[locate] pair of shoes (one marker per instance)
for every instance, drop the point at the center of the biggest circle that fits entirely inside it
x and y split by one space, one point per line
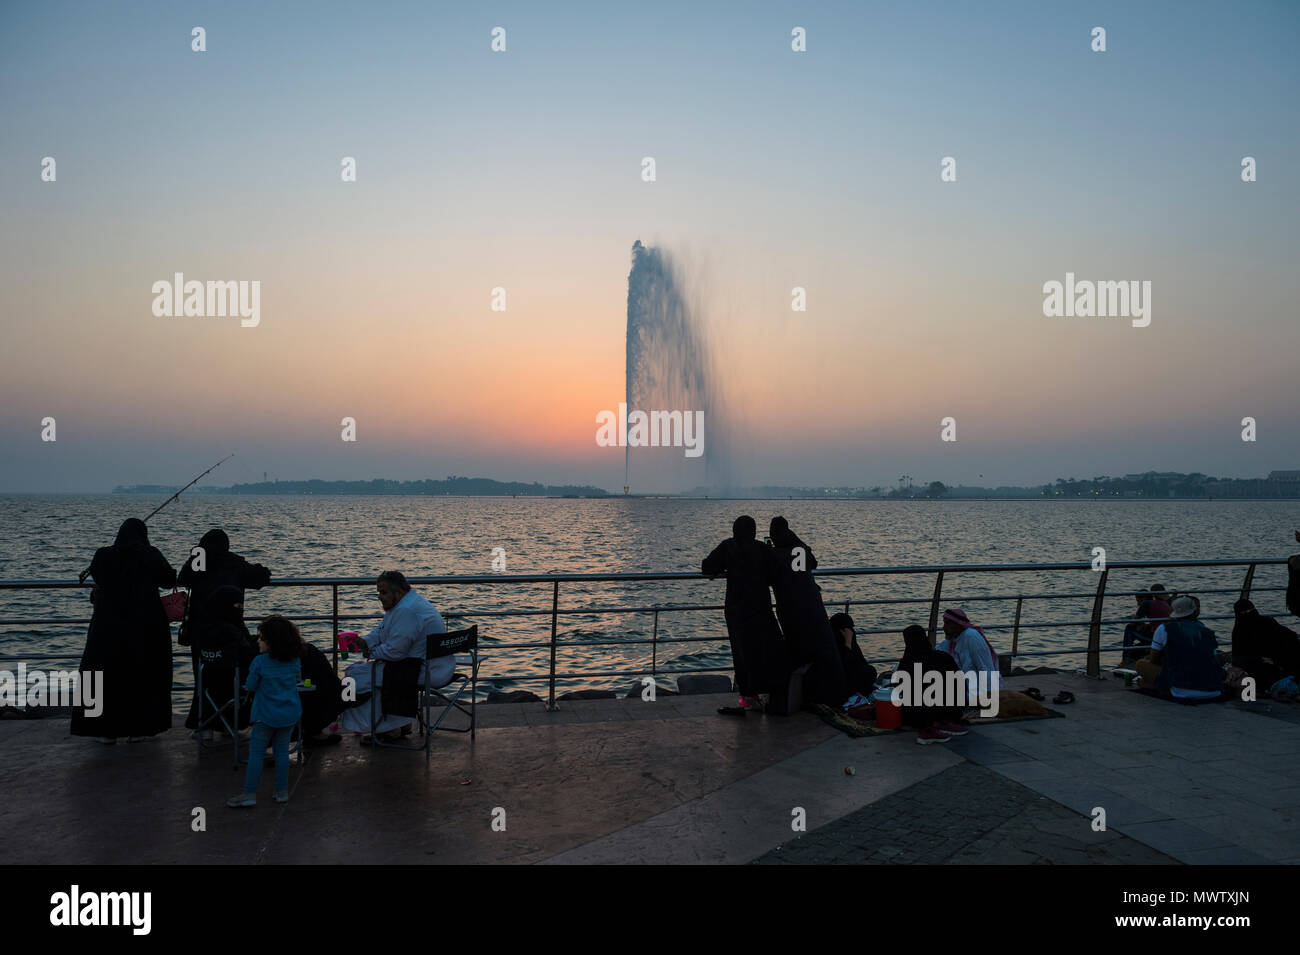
242 801
1065 696
1034 693
281 795
949 728
931 735
109 740
744 705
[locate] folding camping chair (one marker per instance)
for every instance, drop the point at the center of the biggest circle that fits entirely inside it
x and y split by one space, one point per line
463 645
226 714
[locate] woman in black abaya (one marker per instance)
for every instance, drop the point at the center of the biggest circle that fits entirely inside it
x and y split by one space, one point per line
219 569
129 640
803 618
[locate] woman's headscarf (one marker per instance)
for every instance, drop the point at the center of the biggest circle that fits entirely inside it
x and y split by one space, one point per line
782 536
916 645
220 605
132 534
838 622
215 544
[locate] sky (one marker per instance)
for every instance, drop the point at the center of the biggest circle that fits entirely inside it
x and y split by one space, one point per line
522 170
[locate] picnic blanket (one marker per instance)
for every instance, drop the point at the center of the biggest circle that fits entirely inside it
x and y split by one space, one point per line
857 728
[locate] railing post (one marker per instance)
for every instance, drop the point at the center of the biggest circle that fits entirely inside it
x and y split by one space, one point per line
555 608
1015 632
1245 584
335 632
1094 629
934 606
654 647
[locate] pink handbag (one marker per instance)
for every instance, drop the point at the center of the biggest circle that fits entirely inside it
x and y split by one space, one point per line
174 603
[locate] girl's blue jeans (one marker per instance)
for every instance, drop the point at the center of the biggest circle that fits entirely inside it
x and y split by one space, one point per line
277 737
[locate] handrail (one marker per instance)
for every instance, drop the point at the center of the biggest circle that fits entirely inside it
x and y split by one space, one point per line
693 575
1094 623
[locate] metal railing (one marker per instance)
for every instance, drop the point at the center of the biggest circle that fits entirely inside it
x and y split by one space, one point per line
1094 622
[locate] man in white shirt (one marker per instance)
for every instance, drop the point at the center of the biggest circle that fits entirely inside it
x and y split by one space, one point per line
401 635
971 650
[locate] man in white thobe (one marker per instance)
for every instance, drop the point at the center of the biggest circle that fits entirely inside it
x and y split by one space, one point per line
401 635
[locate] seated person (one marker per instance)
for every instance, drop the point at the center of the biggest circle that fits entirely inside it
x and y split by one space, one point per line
1136 633
1263 647
860 674
970 649
408 619
221 643
324 703
1293 581
1182 661
934 724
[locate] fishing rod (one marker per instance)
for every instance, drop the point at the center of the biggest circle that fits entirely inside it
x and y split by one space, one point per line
188 486
81 578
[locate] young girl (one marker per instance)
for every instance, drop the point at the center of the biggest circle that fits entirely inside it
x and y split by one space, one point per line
273 679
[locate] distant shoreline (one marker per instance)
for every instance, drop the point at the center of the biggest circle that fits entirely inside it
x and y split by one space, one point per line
670 497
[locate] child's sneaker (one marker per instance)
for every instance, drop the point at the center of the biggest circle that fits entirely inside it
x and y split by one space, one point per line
281 795
242 800
931 735
951 728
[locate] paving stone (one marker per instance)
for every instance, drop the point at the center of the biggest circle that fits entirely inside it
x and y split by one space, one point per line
1174 838
996 821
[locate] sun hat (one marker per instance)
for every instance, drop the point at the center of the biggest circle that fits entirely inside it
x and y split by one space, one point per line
1184 606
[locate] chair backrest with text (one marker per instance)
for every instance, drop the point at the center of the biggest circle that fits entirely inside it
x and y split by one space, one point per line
453 642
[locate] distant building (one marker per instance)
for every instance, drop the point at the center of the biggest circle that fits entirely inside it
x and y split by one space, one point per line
1286 477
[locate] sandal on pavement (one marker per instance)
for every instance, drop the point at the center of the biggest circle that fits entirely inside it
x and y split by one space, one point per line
1034 693
1065 696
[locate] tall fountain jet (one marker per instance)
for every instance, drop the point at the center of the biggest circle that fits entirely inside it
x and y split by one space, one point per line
670 365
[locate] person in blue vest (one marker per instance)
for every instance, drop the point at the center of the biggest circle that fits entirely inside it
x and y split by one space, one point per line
1182 661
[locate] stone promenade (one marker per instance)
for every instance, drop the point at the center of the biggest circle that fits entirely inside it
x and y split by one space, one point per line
627 781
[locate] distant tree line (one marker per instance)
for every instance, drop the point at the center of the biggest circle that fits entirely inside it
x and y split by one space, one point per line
1164 485
451 486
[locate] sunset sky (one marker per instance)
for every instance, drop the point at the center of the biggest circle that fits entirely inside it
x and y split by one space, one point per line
522 170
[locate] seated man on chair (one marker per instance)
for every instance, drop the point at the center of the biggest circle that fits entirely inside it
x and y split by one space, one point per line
408 619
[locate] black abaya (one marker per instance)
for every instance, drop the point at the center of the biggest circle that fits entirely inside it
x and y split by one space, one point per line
223 569
757 653
804 622
129 640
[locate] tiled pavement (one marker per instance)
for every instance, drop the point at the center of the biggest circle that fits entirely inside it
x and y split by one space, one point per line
965 814
626 781
1210 784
